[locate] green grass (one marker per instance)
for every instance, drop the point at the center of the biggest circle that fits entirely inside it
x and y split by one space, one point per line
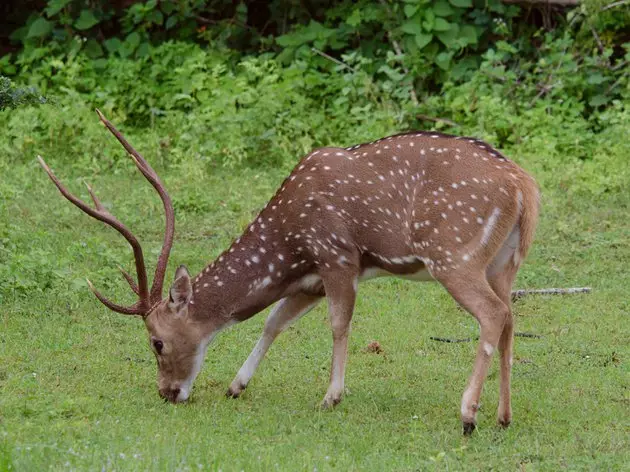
78 386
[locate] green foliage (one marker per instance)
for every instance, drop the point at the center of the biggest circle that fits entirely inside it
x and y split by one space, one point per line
407 47
412 42
561 108
187 102
12 96
101 28
256 112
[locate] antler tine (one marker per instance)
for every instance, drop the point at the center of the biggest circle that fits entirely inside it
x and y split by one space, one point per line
140 161
97 203
146 170
137 308
103 215
130 281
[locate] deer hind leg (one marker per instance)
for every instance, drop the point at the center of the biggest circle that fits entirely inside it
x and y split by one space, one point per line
501 274
473 292
286 311
341 294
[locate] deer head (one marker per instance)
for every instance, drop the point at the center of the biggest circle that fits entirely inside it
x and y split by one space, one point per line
177 338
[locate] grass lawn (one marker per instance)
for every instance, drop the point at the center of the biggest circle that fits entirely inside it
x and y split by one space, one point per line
77 383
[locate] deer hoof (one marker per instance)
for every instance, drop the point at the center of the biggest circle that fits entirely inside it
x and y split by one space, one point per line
504 423
234 391
468 428
330 402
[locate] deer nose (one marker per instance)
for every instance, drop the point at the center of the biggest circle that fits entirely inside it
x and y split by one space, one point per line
170 394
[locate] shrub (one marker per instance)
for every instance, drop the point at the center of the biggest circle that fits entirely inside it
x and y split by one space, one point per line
12 96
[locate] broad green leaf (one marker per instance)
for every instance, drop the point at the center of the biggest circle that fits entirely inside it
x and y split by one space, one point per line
463 67
443 60
168 7
422 40
596 79
55 6
6 66
100 64
170 22
40 27
19 34
75 46
506 47
409 43
112 45
450 38
598 100
305 35
129 45
410 10
411 27
86 20
156 17
442 8
462 3
144 49
469 34
355 17
441 25
93 49
287 40
132 41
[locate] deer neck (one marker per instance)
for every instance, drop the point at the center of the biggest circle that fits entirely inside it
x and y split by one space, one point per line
242 281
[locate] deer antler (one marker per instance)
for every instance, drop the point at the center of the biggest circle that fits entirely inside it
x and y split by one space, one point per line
146 298
169 231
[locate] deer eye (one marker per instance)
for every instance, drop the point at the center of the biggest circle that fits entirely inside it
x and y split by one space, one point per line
158 345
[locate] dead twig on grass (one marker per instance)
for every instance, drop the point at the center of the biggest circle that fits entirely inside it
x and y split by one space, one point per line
476 338
516 294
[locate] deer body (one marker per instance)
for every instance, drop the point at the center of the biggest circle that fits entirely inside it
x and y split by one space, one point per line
422 206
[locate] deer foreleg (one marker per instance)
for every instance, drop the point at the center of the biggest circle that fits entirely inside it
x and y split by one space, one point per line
286 311
341 294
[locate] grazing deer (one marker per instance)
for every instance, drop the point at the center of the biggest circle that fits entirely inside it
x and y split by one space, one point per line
419 205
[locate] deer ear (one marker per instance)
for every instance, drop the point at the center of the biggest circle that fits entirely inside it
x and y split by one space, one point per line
181 290
181 271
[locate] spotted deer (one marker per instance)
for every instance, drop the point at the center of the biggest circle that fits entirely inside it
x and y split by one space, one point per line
418 205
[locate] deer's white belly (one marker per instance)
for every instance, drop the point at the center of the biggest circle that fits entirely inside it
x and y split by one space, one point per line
422 275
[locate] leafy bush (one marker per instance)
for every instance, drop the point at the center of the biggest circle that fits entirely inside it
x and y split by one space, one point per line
255 112
414 43
347 72
561 110
12 96
409 48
